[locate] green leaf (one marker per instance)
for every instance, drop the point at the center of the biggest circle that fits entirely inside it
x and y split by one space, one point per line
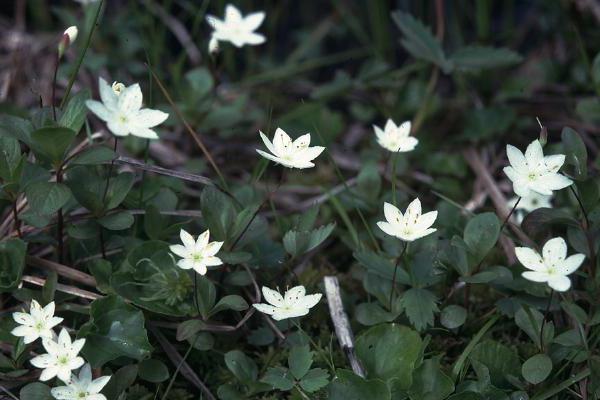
52 143
372 314
420 305
314 380
539 222
154 371
218 213
49 287
279 378
498 358
242 366
475 58
575 152
430 383
188 329
389 351
75 112
118 189
297 243
87 188
230 302
47 197
117 221
299 360
420 42
120 381
481 234
453 316
116 329
12 262
16 127
11 160
381 266
93 156
206 294
537 368
348 386
530 321
35 391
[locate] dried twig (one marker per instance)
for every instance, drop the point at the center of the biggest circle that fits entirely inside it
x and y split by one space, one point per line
164 171
341 323
75 291
62 270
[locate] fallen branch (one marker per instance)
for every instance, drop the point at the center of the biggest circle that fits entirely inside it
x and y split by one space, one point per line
75 291
62 270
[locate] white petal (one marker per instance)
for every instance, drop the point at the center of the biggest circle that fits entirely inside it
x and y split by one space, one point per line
214 22
272 296
530 258
311 300
282 142
76 362
63 393
554 251
293 295
267 142
516 157
254 38
64 374
77 346
147 118
185 264
232 14
144 133
571 264
310 153
559 283
42 361
554 162
130 99
392 214
302 142
179 250
413 211
99 109
48 374
408 144
98 384
64 339
202 240
534 155
551 181
293 313
26 332
379 134
404 128
117 127
212 261
23 318
389 127
108 95
426 220
388 228
536 276
252 21
200 268
265 308
187 239
420 234
271 157
49 310
212 248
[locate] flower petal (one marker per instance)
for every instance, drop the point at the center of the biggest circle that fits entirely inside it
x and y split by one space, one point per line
200 268
554 251
254 20
516 157
282 142
549 182
530 258
186 263
554 162
212 248
311 300
107 95
392 214
187 239
23 318
559 283
535 276
98 384
571 264
534 154
212 261
293 295
272 296
99 110
267 142
426 220
148 118
265 308
130 99
413 212
179 250
202 241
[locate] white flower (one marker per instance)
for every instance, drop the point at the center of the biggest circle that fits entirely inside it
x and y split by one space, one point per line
61 359
197 254
533 172
37 324
396 138
410 226
235 28
82 387
553 266
71 33
123 112
528 204
294 303
296 154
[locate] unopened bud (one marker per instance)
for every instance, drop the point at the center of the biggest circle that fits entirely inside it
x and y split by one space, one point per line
213 45
543 133
69 36
117 87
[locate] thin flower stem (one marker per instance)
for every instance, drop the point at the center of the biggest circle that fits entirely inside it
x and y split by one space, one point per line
586 227
196 292
544 320
59 223
53 99
110 169
185 356
510 214
16 218
585 216
394 162
392 289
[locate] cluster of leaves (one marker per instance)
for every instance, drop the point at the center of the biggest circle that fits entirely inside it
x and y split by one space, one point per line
94 229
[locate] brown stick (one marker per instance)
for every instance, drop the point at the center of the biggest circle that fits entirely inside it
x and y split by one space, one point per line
62 270
75 291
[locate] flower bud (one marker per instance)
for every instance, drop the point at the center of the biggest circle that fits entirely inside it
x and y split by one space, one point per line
69 36
543 133
117 87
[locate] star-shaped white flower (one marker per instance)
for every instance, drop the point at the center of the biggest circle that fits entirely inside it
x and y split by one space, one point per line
294 303
37 324
61 359
197 254
396 138
296 154
121 109
553 266
235 28
82 387
533 172
410 226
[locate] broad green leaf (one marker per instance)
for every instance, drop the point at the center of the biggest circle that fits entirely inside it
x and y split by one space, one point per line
188 329
453 316
430 383
372 314
206 295
230 302
475 58
481 234
116 329
299 360
117 221
297 243
381 266
314 380
11 160
575 152
389 351
279 378
348 386
154 371
12 262
87 188
94 155
118 188
242 366
35 391
537 368
74 115
46 198
420 305
120 381
487 123
498 358
539 222
52 143
530 321
495 273
17 128
419 41
218 213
